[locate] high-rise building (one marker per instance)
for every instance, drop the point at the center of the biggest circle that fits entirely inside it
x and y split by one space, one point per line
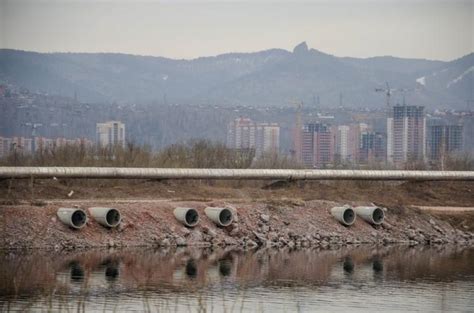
444 140
241 134
356 143
342 138
317 145
347 142
111 133
24 145
267 138
42 144
406 135
245 134
5 146
380 147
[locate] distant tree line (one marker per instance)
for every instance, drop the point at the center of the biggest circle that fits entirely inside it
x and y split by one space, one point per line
192 154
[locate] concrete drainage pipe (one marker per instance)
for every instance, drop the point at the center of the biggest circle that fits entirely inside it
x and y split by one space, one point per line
107 217
220 216
75 218
188 216
371 214
344 214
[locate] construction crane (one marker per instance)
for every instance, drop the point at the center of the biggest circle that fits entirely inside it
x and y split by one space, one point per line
388 94
389 91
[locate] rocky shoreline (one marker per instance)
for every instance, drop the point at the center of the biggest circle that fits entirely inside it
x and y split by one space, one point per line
273 223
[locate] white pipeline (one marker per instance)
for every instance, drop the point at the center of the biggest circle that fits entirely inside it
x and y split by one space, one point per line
202 173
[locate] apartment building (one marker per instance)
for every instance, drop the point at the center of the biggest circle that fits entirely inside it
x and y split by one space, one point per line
406 135
111 133
243 134
444 140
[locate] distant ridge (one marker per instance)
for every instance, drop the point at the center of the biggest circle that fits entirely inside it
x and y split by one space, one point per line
266 78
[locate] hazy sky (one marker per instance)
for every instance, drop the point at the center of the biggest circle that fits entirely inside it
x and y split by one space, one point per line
441 30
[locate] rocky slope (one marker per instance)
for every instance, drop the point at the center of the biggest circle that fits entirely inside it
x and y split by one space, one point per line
283 223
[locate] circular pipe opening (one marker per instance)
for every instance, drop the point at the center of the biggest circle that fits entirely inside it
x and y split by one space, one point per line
349 216
113 217
378 216
78 219
225 217
192 217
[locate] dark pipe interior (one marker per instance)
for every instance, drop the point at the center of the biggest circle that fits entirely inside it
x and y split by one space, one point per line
192 217
77 272
378 215
113 217
78 218
349 216
191 268
348 265
111 272
225 217
225 267
377 265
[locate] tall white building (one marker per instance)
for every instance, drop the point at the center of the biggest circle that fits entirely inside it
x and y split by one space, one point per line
348 141
111 133
406 134
267 138
342 142
243 133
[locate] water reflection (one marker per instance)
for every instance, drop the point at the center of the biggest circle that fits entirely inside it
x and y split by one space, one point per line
77 272
225 266
348 265
377 265
278 276
191 268
112 270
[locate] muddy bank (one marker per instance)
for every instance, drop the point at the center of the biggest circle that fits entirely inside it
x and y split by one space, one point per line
388 193
284 222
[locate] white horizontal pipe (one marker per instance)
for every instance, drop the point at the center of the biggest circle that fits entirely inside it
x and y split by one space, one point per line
205 173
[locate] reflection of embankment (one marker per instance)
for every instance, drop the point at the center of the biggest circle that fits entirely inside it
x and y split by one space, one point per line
441 263
188 270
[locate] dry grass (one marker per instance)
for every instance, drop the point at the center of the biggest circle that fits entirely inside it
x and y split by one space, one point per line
195 154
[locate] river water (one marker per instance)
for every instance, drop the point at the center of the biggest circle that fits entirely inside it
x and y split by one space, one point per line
363 278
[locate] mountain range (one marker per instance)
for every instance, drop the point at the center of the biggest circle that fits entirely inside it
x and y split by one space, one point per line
272 77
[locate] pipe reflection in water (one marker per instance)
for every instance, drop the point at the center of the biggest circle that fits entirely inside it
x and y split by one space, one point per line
112 270
225 266
348 265
167 275
191 269
377 265
77 271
